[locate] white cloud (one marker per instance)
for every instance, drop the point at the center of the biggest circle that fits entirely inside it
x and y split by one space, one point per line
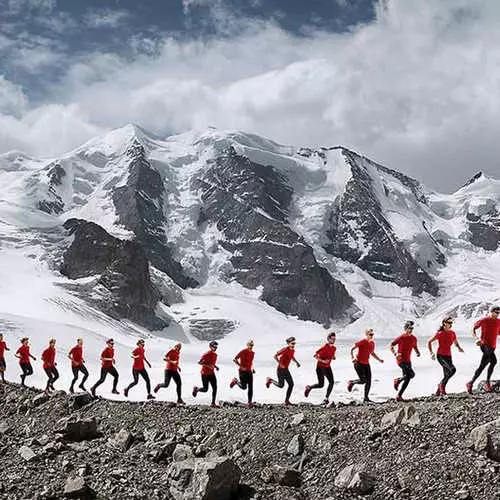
416 89
105 18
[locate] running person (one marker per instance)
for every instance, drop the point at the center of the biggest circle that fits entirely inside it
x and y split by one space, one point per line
107 366
24 355
244 359
323 367
490 330
284 357
78 365
208 366
445 337
406 342
139 357
49 365
172 371
366 348
3 365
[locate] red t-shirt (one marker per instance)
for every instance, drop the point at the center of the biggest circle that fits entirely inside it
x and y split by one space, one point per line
24 353
108 352
246 360
139 361
326 353
490 329
445 341
285 356
406 344
365 349
173 355
49 357
76 354
3 346
210 358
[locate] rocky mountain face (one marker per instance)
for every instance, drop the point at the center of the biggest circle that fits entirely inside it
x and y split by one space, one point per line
314 232
73 446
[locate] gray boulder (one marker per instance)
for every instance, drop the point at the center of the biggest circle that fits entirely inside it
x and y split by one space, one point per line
79 430
204 479
182 452
407 415
39 399
356 479
122 440
27 454
486 438
79 400
76 487
281 475
296 445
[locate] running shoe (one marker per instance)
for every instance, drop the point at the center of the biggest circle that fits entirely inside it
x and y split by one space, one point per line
350 385
180 402
71 390
213 405
150 396
92 391
442 390
195 391
125 392
156 389
326 402
268 382
307 391
233 383
487 387
396 383
114 391
251 405
400 399
468 387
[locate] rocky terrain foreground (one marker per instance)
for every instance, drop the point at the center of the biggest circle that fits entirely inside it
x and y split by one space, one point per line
62 446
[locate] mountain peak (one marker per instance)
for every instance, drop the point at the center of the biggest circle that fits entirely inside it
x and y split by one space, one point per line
474 178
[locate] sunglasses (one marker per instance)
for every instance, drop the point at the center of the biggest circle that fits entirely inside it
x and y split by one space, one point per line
449 322
371 334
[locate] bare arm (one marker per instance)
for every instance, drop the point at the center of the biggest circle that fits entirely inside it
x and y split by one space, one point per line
380 360
353 348
276 357
296 362
429 345
458 346
236 361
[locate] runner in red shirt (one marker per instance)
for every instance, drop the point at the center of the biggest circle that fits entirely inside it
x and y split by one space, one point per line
3 365
490 330
244 359
208 367
284 357
323 368
78 365
406 342
24 355
49 365
445 337
107 366
172 371
366 348
139 357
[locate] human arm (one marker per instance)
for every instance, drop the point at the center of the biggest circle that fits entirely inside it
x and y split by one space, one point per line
429 345
353 348
380 360
296 362
457 345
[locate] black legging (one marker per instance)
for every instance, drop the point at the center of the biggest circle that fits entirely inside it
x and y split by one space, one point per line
144 374
246 382
169 375
365 376
489 358
76 371
284 375
27 370
448 369
408 374
52 375
206 380
323 372
104 373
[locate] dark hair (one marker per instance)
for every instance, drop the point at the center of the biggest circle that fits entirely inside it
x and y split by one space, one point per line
443 321
495 309
331 334
409 324
290 339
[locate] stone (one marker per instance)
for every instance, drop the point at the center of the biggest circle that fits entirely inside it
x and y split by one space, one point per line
79 400
204 479
356 479
463 494
296 445
486 438
39 399
27 454
75 487
281 475
182 452
407 415
79 430
298 419
5 428
121 440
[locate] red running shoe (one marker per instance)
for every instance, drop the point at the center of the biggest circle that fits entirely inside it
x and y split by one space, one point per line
442 390
251 405
287 403
125 392
468 387
150 396
114 391
399 399
396 383
156 389
180 402
195 391
487 387
268 382
307 391
213 405
350 385
233 383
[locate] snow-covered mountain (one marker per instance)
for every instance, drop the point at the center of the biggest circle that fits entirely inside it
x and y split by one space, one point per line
213 234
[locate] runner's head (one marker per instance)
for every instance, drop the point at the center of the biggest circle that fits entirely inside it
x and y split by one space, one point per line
331 337
409 325
140 343
52 342
447 323
369 334
1 336
291 341
250 344
177 347
495 311
79 342
213 345
110 342
25 340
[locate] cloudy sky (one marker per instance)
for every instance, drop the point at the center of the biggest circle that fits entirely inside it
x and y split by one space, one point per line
412 84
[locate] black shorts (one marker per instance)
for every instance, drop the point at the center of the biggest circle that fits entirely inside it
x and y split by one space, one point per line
2 364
